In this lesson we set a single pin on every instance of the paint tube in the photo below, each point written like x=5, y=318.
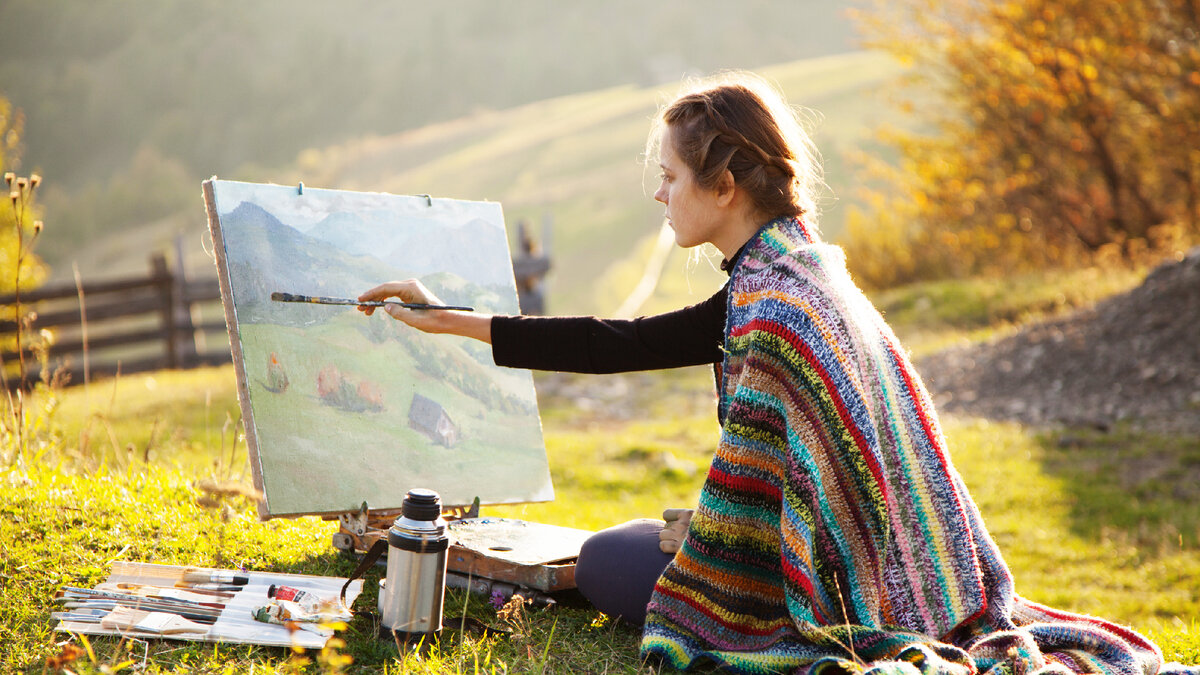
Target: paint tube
x=309, y=602
x=284, y=612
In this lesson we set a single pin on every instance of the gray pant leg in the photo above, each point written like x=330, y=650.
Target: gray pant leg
x=618, y=567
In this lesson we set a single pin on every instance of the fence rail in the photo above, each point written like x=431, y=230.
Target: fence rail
x=129, y=325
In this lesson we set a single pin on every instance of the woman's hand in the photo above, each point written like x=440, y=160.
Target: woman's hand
x=468, y=324
x=675, y=530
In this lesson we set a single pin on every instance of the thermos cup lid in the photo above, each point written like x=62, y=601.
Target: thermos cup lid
x=422, y=504
x=420, y=529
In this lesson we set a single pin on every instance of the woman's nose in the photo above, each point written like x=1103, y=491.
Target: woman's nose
x=661, y=195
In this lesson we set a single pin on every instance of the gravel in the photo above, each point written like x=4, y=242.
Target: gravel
x=1133, y=358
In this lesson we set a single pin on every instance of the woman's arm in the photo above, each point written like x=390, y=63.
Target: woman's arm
x=685, y=337
x=581, y=344
x=467, y=324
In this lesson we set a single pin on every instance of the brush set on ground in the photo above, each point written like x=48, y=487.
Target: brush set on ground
x=192, y=603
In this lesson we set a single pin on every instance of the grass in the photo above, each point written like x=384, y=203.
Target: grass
x=1075, y=536
x=934, y=315
x=1100, y=523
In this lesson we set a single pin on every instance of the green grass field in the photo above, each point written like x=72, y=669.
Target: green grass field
x=1104, y=524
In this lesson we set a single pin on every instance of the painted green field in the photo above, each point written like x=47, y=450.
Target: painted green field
x=352, y=383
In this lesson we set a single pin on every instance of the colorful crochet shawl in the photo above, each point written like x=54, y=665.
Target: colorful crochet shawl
x=833, y=532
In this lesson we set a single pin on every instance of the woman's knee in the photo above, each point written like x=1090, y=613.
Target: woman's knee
x=618, y=567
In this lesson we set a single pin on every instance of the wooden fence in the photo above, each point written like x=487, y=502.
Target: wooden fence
x=161, y=320
x=128, y=325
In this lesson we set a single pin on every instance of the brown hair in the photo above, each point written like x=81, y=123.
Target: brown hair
x=739, y=123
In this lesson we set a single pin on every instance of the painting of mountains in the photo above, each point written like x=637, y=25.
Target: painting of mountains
x=341, y=408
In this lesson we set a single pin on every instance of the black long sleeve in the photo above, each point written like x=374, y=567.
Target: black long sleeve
x=690, y=336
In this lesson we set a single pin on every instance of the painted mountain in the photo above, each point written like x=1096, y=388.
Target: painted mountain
x=422, y=245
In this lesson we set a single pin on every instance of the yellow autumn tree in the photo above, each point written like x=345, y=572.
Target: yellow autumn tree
x=1059, y=131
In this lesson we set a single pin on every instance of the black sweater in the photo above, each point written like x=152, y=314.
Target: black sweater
x=581, y=344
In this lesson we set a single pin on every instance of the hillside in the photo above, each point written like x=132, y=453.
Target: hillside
x=1132, y=358
x=574, y=161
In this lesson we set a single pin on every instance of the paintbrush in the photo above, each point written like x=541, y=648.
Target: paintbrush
x=80, y=616
x=199, y=613
x=115, y=595
x=199, y=575
x=179, y=592
x=191, y=575
x=216, y=589
x=76, y=606
x=320, y=300
x=86, y=595
x=159, y=623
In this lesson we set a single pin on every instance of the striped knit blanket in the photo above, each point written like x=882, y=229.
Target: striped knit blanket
x=833, y=533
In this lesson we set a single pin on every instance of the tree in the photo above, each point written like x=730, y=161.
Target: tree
x=1063, y=131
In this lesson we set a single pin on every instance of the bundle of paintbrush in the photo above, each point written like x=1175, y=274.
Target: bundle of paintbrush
x=193, y=592
x=91, y=605
x=127, y=618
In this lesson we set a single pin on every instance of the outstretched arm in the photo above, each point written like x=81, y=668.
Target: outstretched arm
x=467, y=324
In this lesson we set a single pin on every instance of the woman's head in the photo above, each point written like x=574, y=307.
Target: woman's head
x=740, y=124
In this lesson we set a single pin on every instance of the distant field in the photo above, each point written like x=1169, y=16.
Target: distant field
x=578, y=160
x=575, y=161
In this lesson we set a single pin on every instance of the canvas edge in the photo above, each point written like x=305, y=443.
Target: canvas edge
x=235, y=346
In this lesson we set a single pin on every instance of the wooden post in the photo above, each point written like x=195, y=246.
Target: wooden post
x=163, y=282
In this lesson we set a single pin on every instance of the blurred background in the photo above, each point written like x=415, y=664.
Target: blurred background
x=127, y=107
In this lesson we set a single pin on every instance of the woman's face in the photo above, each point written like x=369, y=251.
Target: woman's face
x=691, y=209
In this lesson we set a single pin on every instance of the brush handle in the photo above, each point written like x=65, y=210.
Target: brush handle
x=203, y=576
x=186, y=592
x=278, y=296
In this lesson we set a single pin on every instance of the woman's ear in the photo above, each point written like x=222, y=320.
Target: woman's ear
x=725, y=188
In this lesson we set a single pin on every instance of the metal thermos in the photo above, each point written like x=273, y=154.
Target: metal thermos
x=416, y=567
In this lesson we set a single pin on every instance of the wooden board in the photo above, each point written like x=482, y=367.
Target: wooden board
x=534, y=555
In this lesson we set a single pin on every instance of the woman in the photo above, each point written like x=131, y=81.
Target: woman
x=832, y=530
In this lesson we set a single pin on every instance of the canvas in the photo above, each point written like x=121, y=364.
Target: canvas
x=341, y=408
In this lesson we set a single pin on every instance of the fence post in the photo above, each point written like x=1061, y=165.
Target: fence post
x=163, y=281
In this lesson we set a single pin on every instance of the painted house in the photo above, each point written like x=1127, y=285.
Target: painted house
x=430, y=418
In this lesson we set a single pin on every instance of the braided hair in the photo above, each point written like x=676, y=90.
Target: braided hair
x=739, y=123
